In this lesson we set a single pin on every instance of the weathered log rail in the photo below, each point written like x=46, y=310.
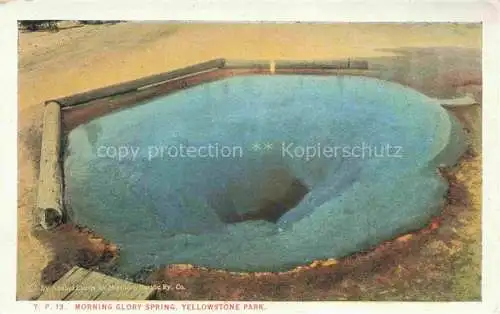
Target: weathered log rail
x=211, y=65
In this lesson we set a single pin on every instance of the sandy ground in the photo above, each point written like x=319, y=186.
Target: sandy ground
x=82, y=58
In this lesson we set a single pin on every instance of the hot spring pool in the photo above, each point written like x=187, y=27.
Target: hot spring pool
x=261, y=173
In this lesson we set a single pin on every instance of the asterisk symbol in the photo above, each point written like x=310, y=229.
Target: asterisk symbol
x=256, y=147
x=268, y=146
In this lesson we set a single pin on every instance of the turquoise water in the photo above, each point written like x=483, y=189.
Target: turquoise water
x=162, y=178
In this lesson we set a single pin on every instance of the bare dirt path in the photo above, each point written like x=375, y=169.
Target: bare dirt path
x=81, y=58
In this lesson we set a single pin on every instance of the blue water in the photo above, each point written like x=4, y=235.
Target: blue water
x=156, y=179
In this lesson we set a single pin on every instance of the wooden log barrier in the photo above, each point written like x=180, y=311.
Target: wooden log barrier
x=134, y=85
x=247, y=64
x=49, y=206
x=468, y=111
x=322, y=65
